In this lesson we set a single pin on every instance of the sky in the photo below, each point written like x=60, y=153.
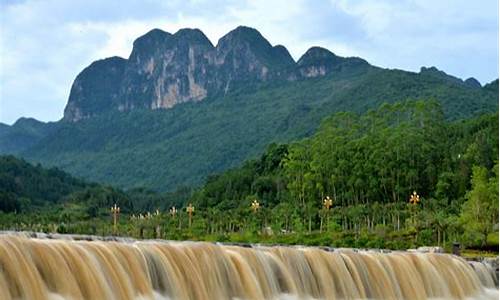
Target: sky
x=45, y=44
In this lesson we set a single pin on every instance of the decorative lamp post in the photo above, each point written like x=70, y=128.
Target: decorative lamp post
x=255, y=206
x=327, y=203
x=190, y=211
x=414, y=198
x=115, y=210
x=173, y=211
x=156, y=214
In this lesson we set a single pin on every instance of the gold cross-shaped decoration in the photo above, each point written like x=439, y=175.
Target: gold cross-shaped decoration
x=414, y=198
x=115, y=210
x=190, y=210
x=173, y=211
x=327, y=202
x=255, y=206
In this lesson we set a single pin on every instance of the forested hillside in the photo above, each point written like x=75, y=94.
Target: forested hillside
x=163, y=149
x=367, y=164
x=27, y=188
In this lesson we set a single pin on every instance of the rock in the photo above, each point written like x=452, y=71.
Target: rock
x=166, y=69
x=430, y=249
x=95, y=89
x=319, y=61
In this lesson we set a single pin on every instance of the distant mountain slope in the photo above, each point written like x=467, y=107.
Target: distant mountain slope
x=24, y=184
x=180, y=146
x=23, y=134
x=32, y=189
x=116, y=133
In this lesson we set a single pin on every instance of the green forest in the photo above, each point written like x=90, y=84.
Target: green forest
x=163, y=149
x=369, y=165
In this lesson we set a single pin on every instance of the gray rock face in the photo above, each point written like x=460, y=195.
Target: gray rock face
x=167, y=69
x=95, y=89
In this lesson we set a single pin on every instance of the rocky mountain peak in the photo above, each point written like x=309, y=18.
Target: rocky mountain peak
x=27, y=123
x=149, y=43
x=244, y=53
x=284, y=56
x=152, y=36
x=318, y=61
x=254, y=45
x=166, y=69
x=317, y=56
x=472, y=82
x=243, y=35
x=436, y=73
x=192, y=36
x=95, y=89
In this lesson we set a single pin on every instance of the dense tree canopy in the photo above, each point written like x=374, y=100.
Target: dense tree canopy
x=367, y=164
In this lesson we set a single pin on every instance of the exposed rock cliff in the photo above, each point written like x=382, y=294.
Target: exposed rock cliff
x=167, y=69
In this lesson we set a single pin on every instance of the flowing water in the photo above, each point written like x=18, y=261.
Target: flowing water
x=41, y=268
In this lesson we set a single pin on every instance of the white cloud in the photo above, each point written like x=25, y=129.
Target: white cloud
x=409, y=34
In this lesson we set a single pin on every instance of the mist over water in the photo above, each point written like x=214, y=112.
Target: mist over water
x=34, y=268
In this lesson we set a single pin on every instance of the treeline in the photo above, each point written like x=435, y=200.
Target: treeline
x=25, y=187
x=367, y=164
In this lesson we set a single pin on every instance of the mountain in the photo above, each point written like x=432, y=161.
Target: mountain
x=166, y=69
x=22, y=184
x=23, y=134
x=31, y=189
x=179, y=109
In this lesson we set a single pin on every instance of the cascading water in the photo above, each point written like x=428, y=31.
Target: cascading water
x=33, y=268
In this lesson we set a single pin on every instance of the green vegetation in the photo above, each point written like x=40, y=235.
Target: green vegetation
x=369, y=164
x=28, y=190
x=161, y=150
x=480, y=210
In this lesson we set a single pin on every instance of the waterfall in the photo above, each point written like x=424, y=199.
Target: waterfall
x=41, y=268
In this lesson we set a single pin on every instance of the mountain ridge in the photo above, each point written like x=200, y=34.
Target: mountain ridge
x=134, y=141
x=166, y=69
